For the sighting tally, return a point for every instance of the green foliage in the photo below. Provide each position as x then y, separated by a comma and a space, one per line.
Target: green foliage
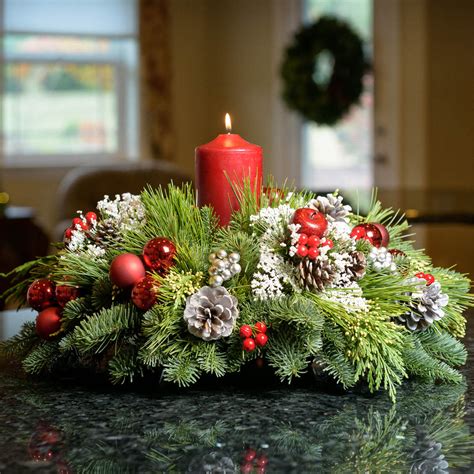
42, 358
20, 344
107, 326
443, 346
181, 370
124, 366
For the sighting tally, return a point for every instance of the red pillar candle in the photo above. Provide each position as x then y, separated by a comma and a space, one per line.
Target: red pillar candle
228, 159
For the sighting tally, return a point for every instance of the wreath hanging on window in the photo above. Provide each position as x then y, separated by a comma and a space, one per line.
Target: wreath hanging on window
323, 70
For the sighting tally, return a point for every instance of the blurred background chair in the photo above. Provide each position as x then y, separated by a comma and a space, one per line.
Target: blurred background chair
82, 187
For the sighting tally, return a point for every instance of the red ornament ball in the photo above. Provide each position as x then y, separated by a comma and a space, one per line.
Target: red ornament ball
261, 327
383, 234
303, 239
91, 216
261, 339
144, 293
126, 270
368, 232
430, 279
397, 253
48, 322
41, 294
248, 344
314, 241
312, 222
245, 331
313, 253
66, 293
302, 250
158, 254
67, 234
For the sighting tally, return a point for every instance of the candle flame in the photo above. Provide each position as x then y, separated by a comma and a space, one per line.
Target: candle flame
228, 123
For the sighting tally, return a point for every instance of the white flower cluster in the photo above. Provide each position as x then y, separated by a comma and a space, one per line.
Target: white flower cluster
273, 273
350, 297
80, 242
125, 212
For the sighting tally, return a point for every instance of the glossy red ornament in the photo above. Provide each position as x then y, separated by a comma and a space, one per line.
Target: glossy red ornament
66, 293
144, 293
248, 344
158, 254
312, 222
430, 279
302, 250
383, 233
261, 339
48, 322
126, 270
303, 239
261, 327
313, 253
313, 241
368, 232
91, 216
250, 455
397, 253
41, 294
245, 331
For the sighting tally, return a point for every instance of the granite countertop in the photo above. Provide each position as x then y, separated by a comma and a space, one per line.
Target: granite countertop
63, 427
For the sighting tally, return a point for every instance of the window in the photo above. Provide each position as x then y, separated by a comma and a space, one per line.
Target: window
69, 81
341, 156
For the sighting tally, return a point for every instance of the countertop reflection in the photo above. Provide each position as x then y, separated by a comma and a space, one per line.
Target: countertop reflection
64, 427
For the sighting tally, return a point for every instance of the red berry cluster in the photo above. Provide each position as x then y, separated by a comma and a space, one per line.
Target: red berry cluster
249, 341
309, 245
83, 223
253, 460
430, 279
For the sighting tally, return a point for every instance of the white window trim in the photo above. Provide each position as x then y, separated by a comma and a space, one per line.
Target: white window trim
127, 93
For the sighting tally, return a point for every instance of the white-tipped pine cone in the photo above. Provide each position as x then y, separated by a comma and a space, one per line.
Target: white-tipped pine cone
316, 274
211, 313
426, 308
359, 264
331, 206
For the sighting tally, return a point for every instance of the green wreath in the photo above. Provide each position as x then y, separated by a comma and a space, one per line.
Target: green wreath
322, 71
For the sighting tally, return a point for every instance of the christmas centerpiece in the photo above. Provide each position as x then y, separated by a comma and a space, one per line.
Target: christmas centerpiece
152, 285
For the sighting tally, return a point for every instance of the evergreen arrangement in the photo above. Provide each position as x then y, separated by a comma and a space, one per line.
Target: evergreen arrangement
150, 285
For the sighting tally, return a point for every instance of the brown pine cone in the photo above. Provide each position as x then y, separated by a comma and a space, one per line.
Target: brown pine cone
315, 274
359, 264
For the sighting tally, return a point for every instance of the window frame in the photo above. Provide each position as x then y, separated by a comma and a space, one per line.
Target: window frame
122, 91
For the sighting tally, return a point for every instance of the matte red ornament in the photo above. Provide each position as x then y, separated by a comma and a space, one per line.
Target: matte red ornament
41, 294
126, 270
368, 232
48, 322
260, 327
245, 331
312, 222
248, 344
66, 293
158, 254
144, 293
261, 339
383, 233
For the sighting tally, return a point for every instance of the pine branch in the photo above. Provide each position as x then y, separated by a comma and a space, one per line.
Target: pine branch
443, 346
75, 310
210, 359
42, 358
102, 293
182, 371
420, 364
124, 366
95, 333
20, 344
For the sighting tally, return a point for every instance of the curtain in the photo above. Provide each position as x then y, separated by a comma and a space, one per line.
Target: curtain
155, 79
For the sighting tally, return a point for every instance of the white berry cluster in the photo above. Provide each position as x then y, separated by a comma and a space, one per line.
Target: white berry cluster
223, 267
351, 297
80, 241
381, 259
125, 212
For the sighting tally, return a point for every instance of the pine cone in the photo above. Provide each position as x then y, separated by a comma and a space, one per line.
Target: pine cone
105, 231
331, 206
211, 313
426, 308
428, 458
315, 274
357, 270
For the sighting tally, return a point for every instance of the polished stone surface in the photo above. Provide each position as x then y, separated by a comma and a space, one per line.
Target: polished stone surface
50, 427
